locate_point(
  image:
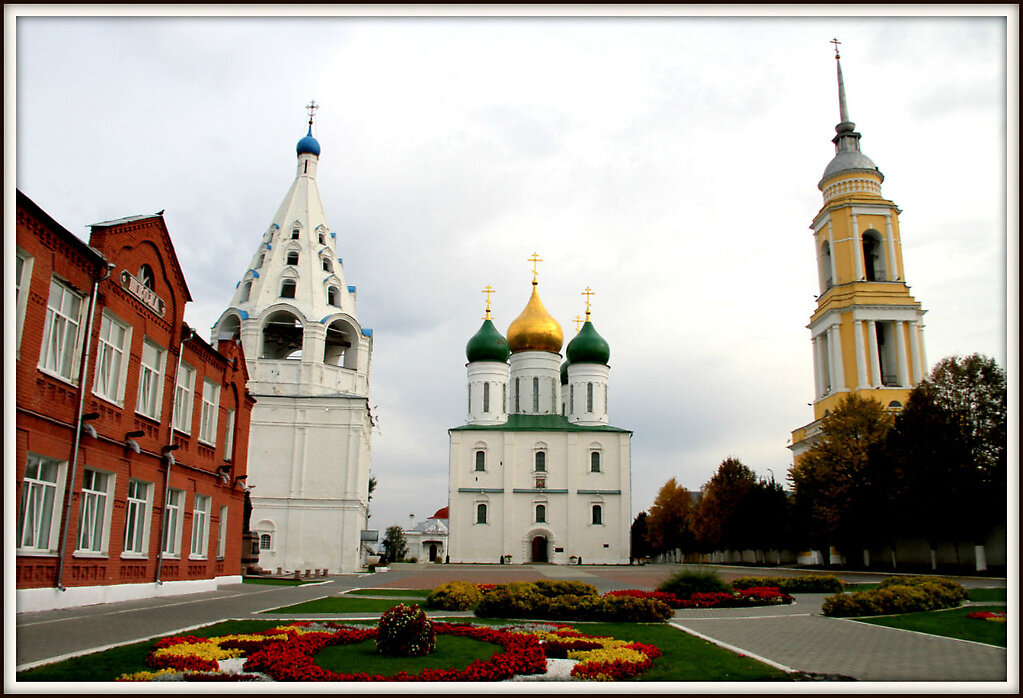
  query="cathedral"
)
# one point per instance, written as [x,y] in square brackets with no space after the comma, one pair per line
[537,474]
[867,330]
[308,362]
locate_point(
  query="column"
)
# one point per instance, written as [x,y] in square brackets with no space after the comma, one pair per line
[875,360]
[831,246]
[890,267]
[837,370]
[923,350]
[914,349]
[900,352]
[818,379]
[857,248]
[861,359]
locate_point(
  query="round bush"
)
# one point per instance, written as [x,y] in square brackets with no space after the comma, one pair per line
[454,596]
[405,631]
[688,582]
[802,584]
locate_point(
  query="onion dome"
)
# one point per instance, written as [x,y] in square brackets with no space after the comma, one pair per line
[308,144]
[534,329]
[487,344]
[564,373]
[588,347]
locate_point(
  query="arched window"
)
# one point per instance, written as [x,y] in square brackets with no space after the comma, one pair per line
[540,462]
[481,513]
[873,256]
[541,513]
[327,266]
[481,461]
[288,288]
[589,397]
[292,258]
[596,515]
[895,405]
[486,397]
[594,461]
[265,541]
[340,344]
[322,239]
[294,233]
[259,261]
[246,291]
[334,297]
[282,336]
[826,264]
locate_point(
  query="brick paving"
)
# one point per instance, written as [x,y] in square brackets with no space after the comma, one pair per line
[794,636]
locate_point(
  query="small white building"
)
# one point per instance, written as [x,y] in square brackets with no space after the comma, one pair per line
[427,541]
[537,474]
[308,360]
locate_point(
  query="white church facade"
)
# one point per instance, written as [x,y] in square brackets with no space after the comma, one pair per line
[308,359]
[537,474]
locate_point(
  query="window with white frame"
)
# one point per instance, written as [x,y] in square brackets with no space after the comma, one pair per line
[541,513]
[540,461]
[172,522]
[136,520]
[60,333]
[222,534]
[481,460]
[183,399]
[150,394]
[481,513]
[94,511]
[111,363]
[265,541]
[200,525]
[596,515]
[594,461]
[229,436]
[210,407]
[22,279]
[39,508]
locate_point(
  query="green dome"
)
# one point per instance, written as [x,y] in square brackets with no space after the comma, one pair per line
[588,347]
[487,345]
[564,373]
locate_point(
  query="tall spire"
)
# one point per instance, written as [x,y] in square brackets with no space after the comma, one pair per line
[843,110]
[848,156]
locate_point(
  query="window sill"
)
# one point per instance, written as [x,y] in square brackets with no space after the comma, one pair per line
[178,431]
[197,558]
[37,553]
[109,401]
[57,376]
[151,418]
[169,556]
[89,555]
[134,556]
[207,444]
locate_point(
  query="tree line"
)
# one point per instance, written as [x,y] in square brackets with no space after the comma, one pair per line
[934,471]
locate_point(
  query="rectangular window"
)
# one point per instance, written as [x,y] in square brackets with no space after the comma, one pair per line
[481,513]
[481,461]
[597,517]
[172,523]
[536,395]
[136,520]
[150,380]
[200,525]
[37,514]
[60,333]
[517,396]
[114,338]
[22,279]
[94,514]
[210,407]
[222,534]
[589,397]
[486,397]
[183,399]
[229,436]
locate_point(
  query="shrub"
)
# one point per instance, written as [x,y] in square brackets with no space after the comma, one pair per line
[688,582]
[553,589]
[454,596]
[804,584]
[910,598]
[405,631]
[952,589]
[525,600]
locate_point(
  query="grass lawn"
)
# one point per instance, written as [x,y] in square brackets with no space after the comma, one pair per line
[684,658]
[405,593]
[987,595]
[278,582]
[949,623]
[452,652]
[341,604]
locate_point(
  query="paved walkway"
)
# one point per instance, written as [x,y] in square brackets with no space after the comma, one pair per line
[795,637]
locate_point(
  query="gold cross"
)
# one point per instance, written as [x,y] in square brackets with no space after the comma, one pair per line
[487,291]
[312,107]
[534,259]
[578,321]
[587,293]
[836,42]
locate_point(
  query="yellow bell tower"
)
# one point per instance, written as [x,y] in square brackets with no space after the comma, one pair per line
[867,330]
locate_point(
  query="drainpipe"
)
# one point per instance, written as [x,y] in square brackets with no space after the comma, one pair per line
[69,489]
[168,456]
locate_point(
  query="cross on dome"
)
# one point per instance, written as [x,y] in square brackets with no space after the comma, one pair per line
[312,107]
[534,259]
[488,290]
[588,293]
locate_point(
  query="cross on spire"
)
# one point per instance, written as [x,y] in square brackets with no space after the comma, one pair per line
[488,290]
[836,42]
[312,107]
[578,321]
[587,293]
[534,259]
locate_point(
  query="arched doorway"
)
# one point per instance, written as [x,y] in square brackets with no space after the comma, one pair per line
[433,552]
[539,549]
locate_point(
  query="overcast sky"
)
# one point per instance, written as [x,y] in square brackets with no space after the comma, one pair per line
[670,164]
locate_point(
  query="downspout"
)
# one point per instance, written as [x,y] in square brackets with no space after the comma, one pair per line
[69,488]
[168,456]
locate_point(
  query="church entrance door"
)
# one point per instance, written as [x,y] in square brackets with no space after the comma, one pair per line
[540,549]
[433,552]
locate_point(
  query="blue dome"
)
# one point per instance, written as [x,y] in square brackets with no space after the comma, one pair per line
[308,144]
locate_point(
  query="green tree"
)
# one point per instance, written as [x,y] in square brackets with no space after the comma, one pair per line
[719,522]
[831,481]
[395,547]
[640,548]
[765,517]
[669,520]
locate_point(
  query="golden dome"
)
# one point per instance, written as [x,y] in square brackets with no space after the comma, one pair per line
[534,329]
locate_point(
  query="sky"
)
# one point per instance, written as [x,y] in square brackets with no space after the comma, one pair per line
[669,163]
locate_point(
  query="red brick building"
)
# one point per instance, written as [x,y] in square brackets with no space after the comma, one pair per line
[132,431]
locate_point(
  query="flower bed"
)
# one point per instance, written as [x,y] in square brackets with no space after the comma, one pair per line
[740,598]
[994,616]
[287,653]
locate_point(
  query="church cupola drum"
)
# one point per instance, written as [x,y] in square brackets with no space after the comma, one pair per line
[308,360]
[867,330]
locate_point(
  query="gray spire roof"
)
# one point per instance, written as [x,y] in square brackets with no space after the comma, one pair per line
[847,141]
